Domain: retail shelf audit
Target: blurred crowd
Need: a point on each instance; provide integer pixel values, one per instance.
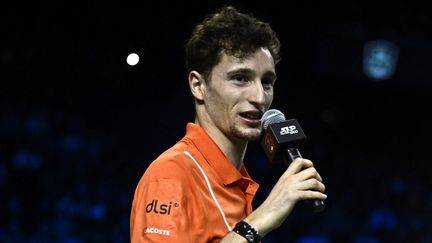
(58, 182)
(61, 181)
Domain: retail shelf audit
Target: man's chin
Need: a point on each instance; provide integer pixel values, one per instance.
(249, 134)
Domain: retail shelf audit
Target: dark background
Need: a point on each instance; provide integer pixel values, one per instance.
(79, 126)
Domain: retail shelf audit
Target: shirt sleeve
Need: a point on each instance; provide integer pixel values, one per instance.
(160, 212)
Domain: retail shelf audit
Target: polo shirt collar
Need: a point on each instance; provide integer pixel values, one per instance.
(214, 155)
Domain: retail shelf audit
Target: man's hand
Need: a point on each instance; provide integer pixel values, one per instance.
(301, 181)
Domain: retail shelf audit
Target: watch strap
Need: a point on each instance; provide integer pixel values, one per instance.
(247, 231)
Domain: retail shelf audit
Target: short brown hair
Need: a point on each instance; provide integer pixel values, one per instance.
(231, 32)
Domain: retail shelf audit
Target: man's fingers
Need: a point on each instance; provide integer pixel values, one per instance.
(298, 165)
(302, 181)
(308, 195)
(311, 184)
(308, 173)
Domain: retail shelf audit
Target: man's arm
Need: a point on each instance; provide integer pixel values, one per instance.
(300, 182)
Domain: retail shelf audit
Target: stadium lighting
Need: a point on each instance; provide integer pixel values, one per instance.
(380, 58)
(132, 59)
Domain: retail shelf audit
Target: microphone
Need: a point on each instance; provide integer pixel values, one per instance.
(282, 140)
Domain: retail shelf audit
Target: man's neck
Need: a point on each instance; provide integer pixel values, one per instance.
(234, 150)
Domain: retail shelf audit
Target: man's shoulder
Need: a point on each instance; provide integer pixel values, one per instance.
(171, 164)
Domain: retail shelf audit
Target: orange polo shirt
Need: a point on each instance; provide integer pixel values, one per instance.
(190, 193)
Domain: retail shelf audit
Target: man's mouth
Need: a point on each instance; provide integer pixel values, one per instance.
(252, 115)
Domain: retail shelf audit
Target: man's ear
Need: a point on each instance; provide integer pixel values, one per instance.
(197, 85)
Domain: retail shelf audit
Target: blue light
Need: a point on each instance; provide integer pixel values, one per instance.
(98, 212)
(313, 239)
(72, 143)
(380, 59)
(24, 159)
(383, 219)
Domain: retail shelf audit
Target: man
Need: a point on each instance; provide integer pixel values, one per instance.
(199, 190)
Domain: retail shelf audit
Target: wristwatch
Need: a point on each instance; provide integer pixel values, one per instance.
(247, 231)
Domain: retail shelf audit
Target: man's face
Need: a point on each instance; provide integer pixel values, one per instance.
(239, 92)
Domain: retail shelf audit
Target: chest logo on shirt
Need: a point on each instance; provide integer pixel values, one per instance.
(160, 208)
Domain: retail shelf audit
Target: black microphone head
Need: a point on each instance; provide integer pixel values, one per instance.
(272, 116)
(280, 134)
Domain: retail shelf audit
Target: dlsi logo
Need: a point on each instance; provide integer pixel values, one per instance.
(160, 209)
(288, 130)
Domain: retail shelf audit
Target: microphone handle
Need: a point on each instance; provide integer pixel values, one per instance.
(290, 155)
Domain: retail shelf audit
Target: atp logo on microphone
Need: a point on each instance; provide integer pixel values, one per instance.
(288, 130)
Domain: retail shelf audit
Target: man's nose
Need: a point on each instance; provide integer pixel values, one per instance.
(257, 93)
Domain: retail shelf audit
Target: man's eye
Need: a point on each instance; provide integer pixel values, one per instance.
(240, 78)
(268, 83)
